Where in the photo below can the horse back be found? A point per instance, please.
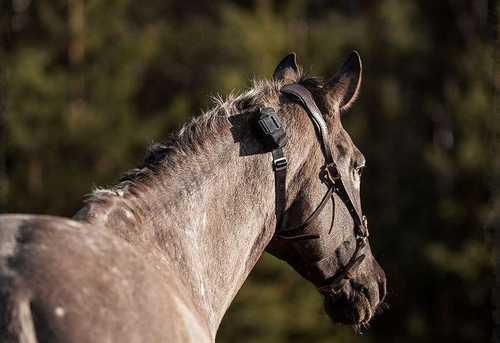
(67, 281)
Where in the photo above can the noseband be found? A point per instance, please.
(275, 136)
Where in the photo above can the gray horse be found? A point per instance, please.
(160, 256)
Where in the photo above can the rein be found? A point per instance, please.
(275, 136)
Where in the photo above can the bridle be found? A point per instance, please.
(275, 136)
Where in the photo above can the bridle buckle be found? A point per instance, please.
(280, 164)
(330, 173)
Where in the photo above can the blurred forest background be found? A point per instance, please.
(86, 85)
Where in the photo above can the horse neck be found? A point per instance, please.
(211, 216)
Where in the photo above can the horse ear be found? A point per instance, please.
(343, 88)
(287, 70)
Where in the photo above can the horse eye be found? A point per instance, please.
(359, 169)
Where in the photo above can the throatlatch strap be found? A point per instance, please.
(274, 136)
(280, 165)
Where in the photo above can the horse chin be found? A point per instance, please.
(351, 309)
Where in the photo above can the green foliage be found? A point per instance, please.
(82, 102)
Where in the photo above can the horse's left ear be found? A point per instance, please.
(287, 70)
(343, 88)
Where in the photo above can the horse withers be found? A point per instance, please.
(160, 256)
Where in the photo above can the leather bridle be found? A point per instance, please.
(275, 135)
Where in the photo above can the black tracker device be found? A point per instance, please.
(271, 129)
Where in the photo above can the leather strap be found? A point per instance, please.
(323, 267)
(358, 222)
(280, 166)
(298, 231)
(307, 100)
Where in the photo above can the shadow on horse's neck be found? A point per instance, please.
(210, 212)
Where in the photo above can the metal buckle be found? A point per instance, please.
(280, 164)
(332, 172)
(329, 174)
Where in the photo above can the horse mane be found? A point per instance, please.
(196, 135)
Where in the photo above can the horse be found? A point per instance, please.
(160, 256)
